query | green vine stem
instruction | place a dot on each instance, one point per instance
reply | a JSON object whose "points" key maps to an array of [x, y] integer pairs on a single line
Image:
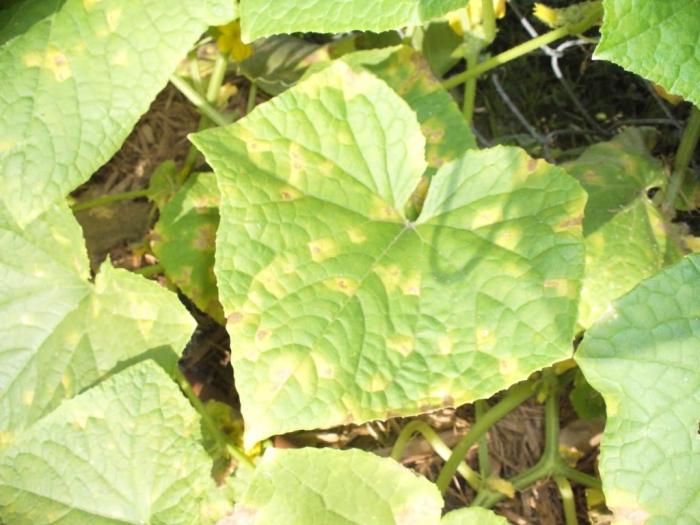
{"points": [[149, 271], [689, 141], [515, 396], [550, 464], [198, 101], [480, 408], [109, 199], [470, 85], [567, 499], [195, 73], [217, 78], [520, 50], [437, 444], [252, 94], [222, 441]]}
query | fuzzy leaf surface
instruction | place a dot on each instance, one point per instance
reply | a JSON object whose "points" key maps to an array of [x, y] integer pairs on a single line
{"points": [[76, 82], [644, 358], [268, 17], [657, 40], [342, 309], [625, 235], [343, 487], [127, 451], [184, 238], [472, 516], [59, 333]]}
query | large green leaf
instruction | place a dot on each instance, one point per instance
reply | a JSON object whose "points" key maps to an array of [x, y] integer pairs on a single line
{"points": [[58, 332], [626, 238], [644, 357], [76, 82], [268, 17], [126, 451], [183, 241], [657, 40], [472, 516], [342, 487], [340, 308]]}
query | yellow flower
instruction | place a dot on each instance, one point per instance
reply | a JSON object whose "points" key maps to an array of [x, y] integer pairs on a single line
{"points": [[229, 41], [463, 20]]}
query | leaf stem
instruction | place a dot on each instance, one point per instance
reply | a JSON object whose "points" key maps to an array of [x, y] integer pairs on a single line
{"points": [[480, 408], [198, 101], [109, 199], [689, 141], [515, 396], [222, 441], [470, 85], [217, 78], [437, 444], [518, 51], [149, 271], [252, 94], [567, 499]]}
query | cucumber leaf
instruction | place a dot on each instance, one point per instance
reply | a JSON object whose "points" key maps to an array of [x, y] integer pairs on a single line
{"points": [[269, 17], [643, 358], [472, 516], [59, 333], [126, 451], [657, 40], [183, 240], [344, 310], [76, 82], [343, 487], [626, 237]]}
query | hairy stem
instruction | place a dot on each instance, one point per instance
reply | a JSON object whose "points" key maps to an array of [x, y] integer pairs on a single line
{"points": [[689, 141], [109, 199], [198, 101], [515, 396], [437, 444]]}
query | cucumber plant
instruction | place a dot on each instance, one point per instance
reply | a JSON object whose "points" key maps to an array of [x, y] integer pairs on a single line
{"points": [[368, 260]]}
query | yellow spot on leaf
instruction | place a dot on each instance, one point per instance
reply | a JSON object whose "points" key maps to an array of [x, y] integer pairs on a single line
{"points": [[508, 238], [508, 366], [488, 216], [322, 249], [561, 287], [53, 60], [28, 397], [288, 193], [445, 344], [377, 383], [356, 236], [113, 16], [389, 275], [324, 368], [120, 58], [403, 344], [411, 284], [381, 211], [6, 438], [90, 4], [343, 285], [485, 339], [27, 319]]}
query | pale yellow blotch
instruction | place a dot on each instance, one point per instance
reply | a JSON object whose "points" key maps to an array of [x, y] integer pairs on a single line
{"points": [[79, 48], [625, 506], [145, 326], [508, 366], [561, 287], [485, 338], [381, 211], [411, 285], [113, 16], [67, 383], [90, 4], [53, 60], [288, 193], [324, 368], [488, 216], [508, 238], [297, 164], [72, 339], [60, 238], [6, 438], [403, 344], [79, 420], [444, 343], [270, 280], [390, 276], [6, 145], [120, 58], [38, 272], [281, 370], [27, 319], [28, 397], [322, 249], [377, 383], [344, 285], [569, 224], [356, 236]]}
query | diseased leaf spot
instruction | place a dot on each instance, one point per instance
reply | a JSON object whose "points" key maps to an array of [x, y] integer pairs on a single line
{"points": [[28, 397], [444, 344], [356, 235], [403, 344], [323, 249], [54, 61], [344, 285], [234, 318]]}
